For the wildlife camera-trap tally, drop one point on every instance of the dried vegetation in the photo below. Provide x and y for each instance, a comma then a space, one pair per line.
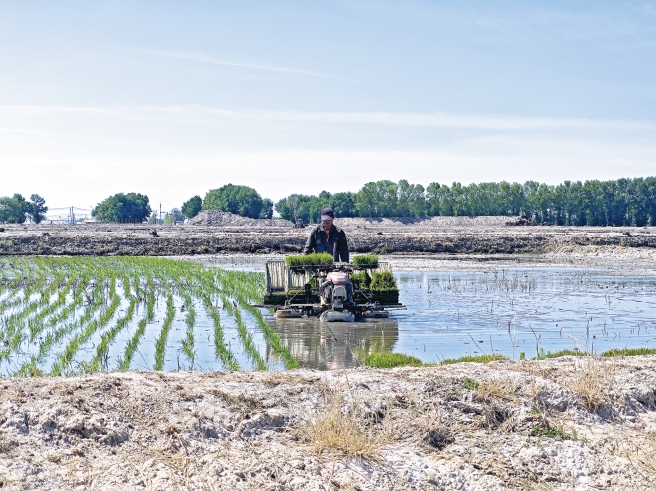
555, 424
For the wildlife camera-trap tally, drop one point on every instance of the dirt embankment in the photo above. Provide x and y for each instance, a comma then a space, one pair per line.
365, 236
563, 424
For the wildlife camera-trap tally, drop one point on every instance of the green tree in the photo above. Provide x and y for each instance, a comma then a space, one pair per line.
241, 200
15, 209
378, 199
39, 210
192, 207
123, 208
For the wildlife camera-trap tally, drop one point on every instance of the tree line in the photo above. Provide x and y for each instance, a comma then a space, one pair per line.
622, 202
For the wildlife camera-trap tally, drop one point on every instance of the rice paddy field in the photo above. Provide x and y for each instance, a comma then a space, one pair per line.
67, 316
75, 315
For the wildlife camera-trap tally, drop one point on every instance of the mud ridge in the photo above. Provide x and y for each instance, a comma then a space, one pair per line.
505, 425
183, 240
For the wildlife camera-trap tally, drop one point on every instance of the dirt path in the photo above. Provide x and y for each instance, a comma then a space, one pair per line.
558, 424
381, 238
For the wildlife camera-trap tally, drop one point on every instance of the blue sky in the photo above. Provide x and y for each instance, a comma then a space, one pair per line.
174, 98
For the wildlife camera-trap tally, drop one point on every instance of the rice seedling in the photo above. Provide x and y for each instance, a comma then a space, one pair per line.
322, 258
108, 336
368, 260
221, 350
245, 336
67, 302
383, 281
160, 344
66, 358
361, 278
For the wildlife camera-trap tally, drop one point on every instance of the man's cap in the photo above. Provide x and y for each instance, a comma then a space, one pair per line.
327, 214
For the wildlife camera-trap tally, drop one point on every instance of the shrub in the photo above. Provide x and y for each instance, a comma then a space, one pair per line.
322, 258
391, 360
368, 260
383, 281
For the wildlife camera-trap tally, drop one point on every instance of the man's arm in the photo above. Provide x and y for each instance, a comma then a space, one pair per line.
309, 243
342, 247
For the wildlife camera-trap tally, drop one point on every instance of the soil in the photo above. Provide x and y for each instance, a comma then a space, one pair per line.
216, 218
439, 235
504, 425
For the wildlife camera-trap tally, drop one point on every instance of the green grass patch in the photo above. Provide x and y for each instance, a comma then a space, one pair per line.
556, 433
629, 352
474, 359
366, 260
391, 360
320, 259
558, 354
469, 383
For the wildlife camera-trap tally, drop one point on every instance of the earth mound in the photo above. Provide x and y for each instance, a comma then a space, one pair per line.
216, 218
422, 222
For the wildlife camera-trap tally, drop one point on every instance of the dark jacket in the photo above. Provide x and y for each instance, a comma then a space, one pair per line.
333, 243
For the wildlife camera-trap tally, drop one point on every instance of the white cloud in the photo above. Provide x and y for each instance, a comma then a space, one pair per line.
204, 58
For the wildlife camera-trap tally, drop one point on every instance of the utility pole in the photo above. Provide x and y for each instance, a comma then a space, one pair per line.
160, 210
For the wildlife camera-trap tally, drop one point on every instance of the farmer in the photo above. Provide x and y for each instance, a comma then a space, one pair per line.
328, 238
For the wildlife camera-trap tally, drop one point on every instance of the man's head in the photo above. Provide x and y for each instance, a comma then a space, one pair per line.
327, 217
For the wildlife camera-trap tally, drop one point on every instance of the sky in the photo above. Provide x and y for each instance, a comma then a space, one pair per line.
172, 99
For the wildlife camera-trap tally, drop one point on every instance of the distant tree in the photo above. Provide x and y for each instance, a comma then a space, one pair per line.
192, 207
241, 200
15, 209
39, 210
343, 204
123, 208
176, 215
378, 199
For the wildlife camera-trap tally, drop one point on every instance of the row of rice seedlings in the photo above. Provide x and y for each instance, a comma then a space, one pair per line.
68, 356
247, 287
132, 345
32, 367
190, 321
221, 350
272, 337
37, 323
13, 325
160, 344
245, 336
107, 338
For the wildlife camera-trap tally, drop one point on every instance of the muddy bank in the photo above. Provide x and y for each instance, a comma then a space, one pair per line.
181, 240
559, 424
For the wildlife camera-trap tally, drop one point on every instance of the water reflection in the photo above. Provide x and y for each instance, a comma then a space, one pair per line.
328, 346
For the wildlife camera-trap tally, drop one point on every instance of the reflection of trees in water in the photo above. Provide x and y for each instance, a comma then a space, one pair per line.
314, 346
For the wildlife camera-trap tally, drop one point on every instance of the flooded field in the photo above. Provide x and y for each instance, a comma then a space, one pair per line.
504, 311
75, 315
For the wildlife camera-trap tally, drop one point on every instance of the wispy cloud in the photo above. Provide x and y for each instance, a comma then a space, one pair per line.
204, 58
195, 113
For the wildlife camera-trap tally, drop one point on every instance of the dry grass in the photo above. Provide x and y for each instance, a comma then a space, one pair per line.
344, 427
593, 382
496, 389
